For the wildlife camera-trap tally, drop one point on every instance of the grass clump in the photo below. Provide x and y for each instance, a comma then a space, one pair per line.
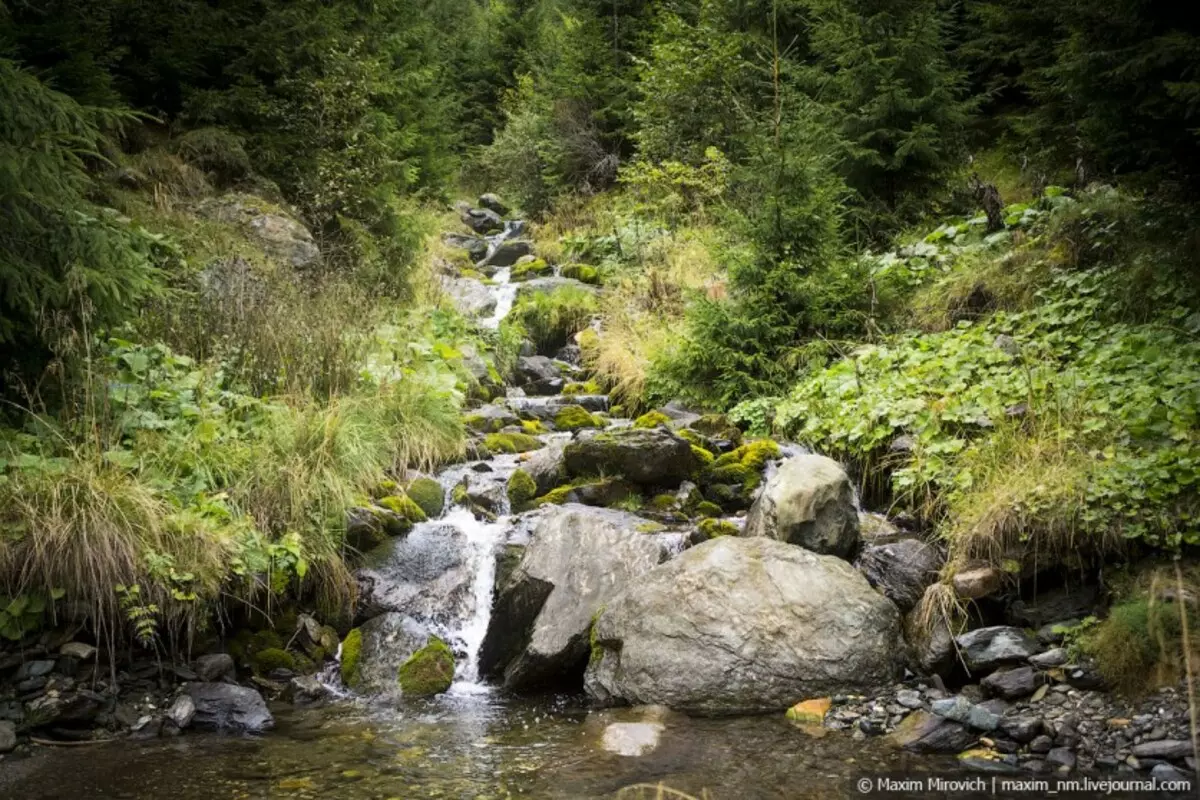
511, 442
521, 489
428, 671
571, 418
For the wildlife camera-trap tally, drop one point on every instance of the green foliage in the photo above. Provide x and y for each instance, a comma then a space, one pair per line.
25, 614
571, 418
215, 151
521, 489
550, 320
428, 671
273, 658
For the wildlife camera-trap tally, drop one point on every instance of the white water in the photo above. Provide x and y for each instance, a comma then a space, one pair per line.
483, 540
506, 294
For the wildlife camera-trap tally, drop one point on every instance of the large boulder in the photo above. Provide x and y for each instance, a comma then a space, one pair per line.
539, 375
425, 575
901, 570
481, 220
227, 706
492, 202
509, 252
808, 502
547, 467
740, 625
578, 558
374, 652
476, 246
469, 296
647, 456
278, 233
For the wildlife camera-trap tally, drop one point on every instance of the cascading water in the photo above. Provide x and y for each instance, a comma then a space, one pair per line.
503, 289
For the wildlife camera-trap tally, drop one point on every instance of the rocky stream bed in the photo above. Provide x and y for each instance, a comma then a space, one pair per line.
589, 603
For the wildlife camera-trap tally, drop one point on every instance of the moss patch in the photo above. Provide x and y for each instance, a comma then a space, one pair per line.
570, 418
429, 495
528, 268
511, 442
651, 419
712, 528
428, 671
521, 489
557, 496
405, 506
581, 272
351, 653
707, 509
533, 426
273, 658
590, 387
753, 455
702, 456
663, 502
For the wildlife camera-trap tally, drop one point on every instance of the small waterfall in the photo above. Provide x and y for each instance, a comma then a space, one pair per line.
483, 539
506, 294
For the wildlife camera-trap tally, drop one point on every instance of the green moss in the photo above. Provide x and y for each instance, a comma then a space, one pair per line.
428, 671
459, 496
651, 419
264, 640
651, 527
701, 456
511, 442
717, 426
405, 506
570, 418
707, 509
731, 473
590, 387
691, 437
521, 489
477, 422
273, 658
556, 497
533, 427
617, 410
753, 455
384, 488
525, 269
429, 495
712, 528
663, 502
581, 272
351, 653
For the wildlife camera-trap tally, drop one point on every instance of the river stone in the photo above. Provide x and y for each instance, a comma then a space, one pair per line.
547, 466
878, 529
1050, 659
922, 732
1023, 729
985, 649
1011, 684
808, 502
469, 296
647, 456
426, 575
64, 708
578, 558
475, 246
225, 706
509, 252
306, 690
78, 650
1170, 749
738, 625
929, 637
214, 667
492, 202
182, 711
539, 375
632, 738
901, 571
8, 736
387, 642
481, 220
977, 582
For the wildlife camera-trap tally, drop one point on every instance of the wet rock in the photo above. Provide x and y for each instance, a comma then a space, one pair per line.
878, 529
492, 202
977, 582
901, 571
1050, 659
1048, 607
1170, 749
909, 698
740, 625
471, 297
182, 711
306, 690
922, 732
632, 738
78, 651
384, 643
985, 649
225, 706
426, 574
957, 708
1011, 684
808, 502
1061, 759
644, 456
508, 252
1083, 676
539, 375
214, 667
578, 559
8, 737
551, 285
64, 708
481, 220
1041, 744
1055, 632
475, 246
1160, 773
547, 467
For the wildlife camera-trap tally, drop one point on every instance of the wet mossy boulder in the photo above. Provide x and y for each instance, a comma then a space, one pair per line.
587, 387
273, 658
531, 267
644, 456
584, 273
572, 418
428, 671
429, 495
490, 419
405, 506
511, 442
592, 492
521, 489
731, 479
712, 528
351, 654
717, 427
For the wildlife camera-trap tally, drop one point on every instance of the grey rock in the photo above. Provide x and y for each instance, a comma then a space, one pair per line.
1061, 759
643, 456
225, 706
922, 732
8, 736
1041, 744
507, 253
977, 582
475, 246
1160, 773
1050, 659
492, 202
306, 690
1011, 684
981, 719
387, 642
1055, 632
491, 418
1170, 749
538, 372
481, 220
809, 502
577, 560
279, 234
214, 667
78, 650
551, 285
909, 698
985, 649
35, 669
901, 571
929, 637
182, 711
742, 625
547, 467
957, 708
877, 529
471, 297
64, 708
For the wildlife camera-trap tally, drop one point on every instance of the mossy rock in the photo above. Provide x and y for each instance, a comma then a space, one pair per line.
533, 427
530, 267
384, 488
521, 489
428, 671
730, 474
588, 387
405, 506
585, 273
511, 442
558, 496
429, 495
651, 419
570, 418
712, 528
753, 455
482, 424
272, 658
703, 457
663, 502
459, 495
707, 509
351, 655
717, 426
